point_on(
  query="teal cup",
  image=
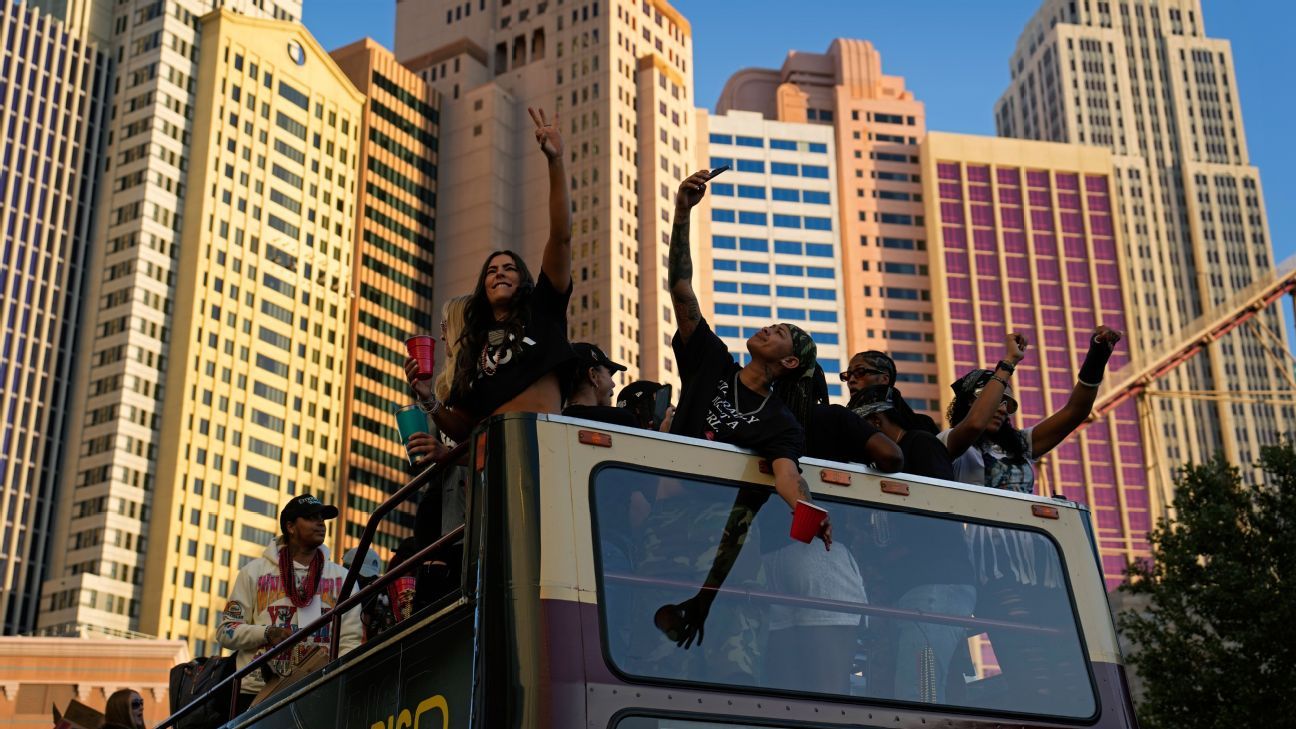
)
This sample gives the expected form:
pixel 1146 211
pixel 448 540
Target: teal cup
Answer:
pixel 410 420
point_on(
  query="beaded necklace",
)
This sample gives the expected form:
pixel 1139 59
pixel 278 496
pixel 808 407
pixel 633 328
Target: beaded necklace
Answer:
pixel 309 586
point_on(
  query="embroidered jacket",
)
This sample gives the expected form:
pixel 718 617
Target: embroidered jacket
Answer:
pixel 259 600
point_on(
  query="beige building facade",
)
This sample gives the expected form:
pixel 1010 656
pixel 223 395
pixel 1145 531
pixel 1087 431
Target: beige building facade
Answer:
pixel 39 673
pixel 619 76
pixel 878 125
pixel 52 118
pixel 96 572
pixel 1144 80
pixel 391 291
pixel 261 315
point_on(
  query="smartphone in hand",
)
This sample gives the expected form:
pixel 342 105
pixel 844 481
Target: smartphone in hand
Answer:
pixel 661 403
pixel 717 171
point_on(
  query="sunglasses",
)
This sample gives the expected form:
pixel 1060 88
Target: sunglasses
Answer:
pixel 1012 403
pixel 860 372
pixel 137 703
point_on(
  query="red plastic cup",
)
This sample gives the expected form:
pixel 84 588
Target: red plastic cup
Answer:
pixel 806 519
pixel 423 348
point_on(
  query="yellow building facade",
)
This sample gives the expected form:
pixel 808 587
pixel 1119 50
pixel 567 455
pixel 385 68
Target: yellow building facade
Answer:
pixel 391 297
pixel 261 327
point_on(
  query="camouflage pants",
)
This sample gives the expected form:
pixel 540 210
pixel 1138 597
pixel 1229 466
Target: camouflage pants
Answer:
pixel 682 540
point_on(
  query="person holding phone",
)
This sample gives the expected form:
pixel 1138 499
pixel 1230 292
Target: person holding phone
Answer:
pixel 650 402
pixel 591 388
pixel 514 351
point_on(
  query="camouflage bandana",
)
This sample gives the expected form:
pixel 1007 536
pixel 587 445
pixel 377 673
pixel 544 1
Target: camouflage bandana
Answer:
pixel 804 349
pixel 970 385
pixel 881 361
pixel 873 399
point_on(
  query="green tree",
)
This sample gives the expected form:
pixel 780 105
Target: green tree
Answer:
pixel 1216 644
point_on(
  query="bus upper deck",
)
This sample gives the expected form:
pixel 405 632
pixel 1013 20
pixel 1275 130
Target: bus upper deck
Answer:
pixel 621 578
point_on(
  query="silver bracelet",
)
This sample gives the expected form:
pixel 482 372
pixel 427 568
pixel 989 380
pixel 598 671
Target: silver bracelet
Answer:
pixel 431 406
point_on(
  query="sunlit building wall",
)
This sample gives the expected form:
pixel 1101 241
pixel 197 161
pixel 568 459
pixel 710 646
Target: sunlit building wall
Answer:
pixel 257 365
pixel 391 293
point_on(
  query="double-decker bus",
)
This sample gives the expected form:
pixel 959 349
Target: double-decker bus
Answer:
pixel 624 579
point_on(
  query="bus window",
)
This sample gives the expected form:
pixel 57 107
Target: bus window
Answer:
pixel 699 582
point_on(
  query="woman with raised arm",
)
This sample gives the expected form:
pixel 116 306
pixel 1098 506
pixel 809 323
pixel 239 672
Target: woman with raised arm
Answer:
pixel 514 346
pixel 995 453
pixel 1019 577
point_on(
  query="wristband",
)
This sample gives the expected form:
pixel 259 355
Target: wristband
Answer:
pixel 1095 363
pixel 431 407
pixel 265 636
pixel 1001 381
pixel 1006 365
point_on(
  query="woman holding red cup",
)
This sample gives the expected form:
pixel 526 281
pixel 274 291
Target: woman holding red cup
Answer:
pixel 514 345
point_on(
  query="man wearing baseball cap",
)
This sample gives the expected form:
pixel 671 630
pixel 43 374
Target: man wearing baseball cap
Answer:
pixel 291 584
pixel 591 388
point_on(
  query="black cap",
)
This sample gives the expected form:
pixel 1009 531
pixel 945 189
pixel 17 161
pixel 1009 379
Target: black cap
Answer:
pixel 591 356
pixel 637 391
pixel 305 505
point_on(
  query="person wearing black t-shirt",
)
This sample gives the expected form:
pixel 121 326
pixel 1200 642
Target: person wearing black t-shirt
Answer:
pixel 514 351
pixel 591 388
pixel 835 433
pixel 760 406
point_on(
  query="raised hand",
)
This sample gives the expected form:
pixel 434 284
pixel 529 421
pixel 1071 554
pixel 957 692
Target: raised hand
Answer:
pixel 1107 335
pixel 547 134
pixel 1015 347
pixel 692 190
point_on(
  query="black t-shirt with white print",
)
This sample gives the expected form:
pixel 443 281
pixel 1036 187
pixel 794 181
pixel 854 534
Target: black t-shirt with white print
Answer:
pixel 512 367
pixel 710 408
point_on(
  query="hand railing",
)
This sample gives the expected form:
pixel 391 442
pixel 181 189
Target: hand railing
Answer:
pixel 333 617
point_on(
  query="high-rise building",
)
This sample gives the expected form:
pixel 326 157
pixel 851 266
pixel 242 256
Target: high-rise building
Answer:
pixel 1143 79
pixel 877 126
pixel 96 569
pixel 773 244
pixel 1022 238
pixel 391 294
pixel 618 74
pixel 261 316
pixel 52 116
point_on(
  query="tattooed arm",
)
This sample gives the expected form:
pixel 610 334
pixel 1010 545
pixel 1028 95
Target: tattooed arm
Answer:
pixel 680 263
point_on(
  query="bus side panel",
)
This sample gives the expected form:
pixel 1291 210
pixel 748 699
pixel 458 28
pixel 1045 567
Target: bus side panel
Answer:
pixel 422 681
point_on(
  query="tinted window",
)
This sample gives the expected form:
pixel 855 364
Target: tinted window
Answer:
pixel 887 613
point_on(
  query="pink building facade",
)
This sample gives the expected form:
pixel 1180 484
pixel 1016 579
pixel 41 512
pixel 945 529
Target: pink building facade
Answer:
pixel 1024 241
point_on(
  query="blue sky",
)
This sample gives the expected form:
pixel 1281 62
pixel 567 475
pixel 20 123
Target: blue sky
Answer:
pixel 952 53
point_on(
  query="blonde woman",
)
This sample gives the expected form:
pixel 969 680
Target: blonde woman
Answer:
pixel 438 516
pixel 452 325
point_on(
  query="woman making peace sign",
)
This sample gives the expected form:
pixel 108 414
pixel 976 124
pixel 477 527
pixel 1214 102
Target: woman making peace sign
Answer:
pixel 514 342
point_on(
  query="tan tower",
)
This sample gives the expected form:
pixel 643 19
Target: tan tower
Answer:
pixel 1144 80
pixel 261 321
pixel 391 297
pixel 878 125
pixel 619 74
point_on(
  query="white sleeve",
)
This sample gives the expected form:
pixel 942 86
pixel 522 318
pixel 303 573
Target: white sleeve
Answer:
pixel 237 630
